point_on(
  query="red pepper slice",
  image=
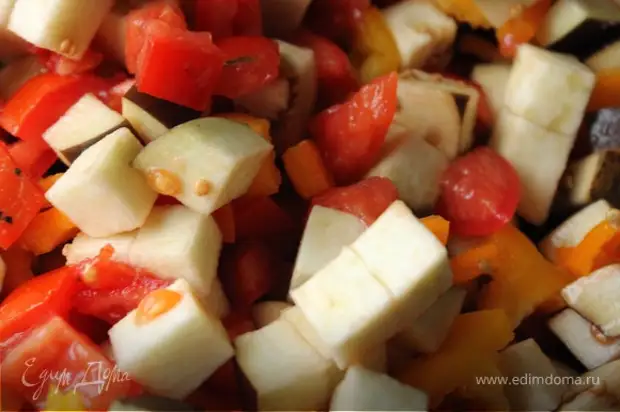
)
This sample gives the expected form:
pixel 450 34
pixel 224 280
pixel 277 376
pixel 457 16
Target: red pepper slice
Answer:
pixel 250 63
pixel 366 199
pixel 28 305
pixel 111 289
pixel 479 193
pixel 166 11
pixel 40 102
pixel 179 66
pixel 336 20
pixel 334 70
pixel 20 199
pixel 350 135
pixel 33 157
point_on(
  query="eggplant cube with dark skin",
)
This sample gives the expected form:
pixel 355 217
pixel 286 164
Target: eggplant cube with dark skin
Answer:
pixel 594 177
pixel 84 124
pixel 151 117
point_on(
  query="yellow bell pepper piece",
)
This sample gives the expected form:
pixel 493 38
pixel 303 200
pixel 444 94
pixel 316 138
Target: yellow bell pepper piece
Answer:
pixel 63 401
pixel 375 52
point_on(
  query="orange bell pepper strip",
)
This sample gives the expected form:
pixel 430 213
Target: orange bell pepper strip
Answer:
pixel 225 219
pixel 439 226
pixel 469 351
pixel 595 250
pixel 268 179
pixel 375 52
pixel 474 262
pixel 465 11
pixel 521 28
pixel 45 184
pixel 606 91
pixel 304 166
pixel 48 230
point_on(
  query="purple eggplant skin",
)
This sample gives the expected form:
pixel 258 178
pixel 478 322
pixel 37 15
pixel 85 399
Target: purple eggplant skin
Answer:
pixel 588 38
pixel 601 130
pixel 168 113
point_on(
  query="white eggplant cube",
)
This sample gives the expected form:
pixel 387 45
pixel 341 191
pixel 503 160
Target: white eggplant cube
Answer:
pixel 365 390
pixel 215 160
pixel 287 373
pixel 327 232
pixel 64 26
pixel 176 242
pixel 101 193
pixel 84 124
pixel 549 89
pixel 86 247
pixel 407 258
pixel 348 307
pixel 176 351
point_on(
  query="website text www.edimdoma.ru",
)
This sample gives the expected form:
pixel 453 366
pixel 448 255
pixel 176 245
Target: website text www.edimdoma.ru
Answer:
pixel 530 380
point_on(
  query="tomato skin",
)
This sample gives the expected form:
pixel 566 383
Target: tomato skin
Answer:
pixel 479 193
pixel 215 16
pixel 33 157
pixel 40 102
pixel 350 135
pixel 367 199
pixel 190 58
pixel 55 349
pixel 20 199
pixel 336 20
pixel 165 11
pixel 29 304
pixel 246 76
pixel 109 289
pixel 334 70
pixel 260 217
pixel 248 20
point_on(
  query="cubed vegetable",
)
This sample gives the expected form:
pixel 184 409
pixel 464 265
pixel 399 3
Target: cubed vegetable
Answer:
pixel 100 192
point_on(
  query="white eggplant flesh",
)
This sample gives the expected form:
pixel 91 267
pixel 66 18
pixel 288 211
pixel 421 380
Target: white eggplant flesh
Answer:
pixel 427 333
pixel 588 345
pixel 110 37
pixel 572 231
pixel 527 146
pixel 187 341
pixel 59 25
pixel 85 247
pixel 422 32
pixel 298 66
pixel 84 124
pixel 537 72
pixel 595 298
pixel 101 193
pixel 607 58
pixel 493 78
pixel 365 390
pixel 176 242
pixel 17 73
pixel 6 8
pixel 326 232
pixel 270 102
pixel 498 12
pixel 286 372
pixel 593 177
pixel 264 313
pixel 218 155
pixel 282 17
pixel 526 359
pixel 415 167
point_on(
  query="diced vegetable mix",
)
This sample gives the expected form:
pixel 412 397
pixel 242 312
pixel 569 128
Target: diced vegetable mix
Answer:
pixel 237 233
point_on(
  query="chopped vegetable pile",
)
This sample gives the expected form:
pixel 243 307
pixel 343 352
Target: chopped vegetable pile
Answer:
pixel 309 205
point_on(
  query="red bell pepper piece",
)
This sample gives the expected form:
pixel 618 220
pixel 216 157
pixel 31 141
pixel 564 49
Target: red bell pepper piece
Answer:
pixel 110 289
pixel 225 18
pixel 336 20
pixel 179 66
pixel 20 199
pixel 40 102
pixel 29 305
pixel 259 217
pixel 350 135
pixel 479 193
pixel 166 11
pixel 53 356
pixel 249 274
pixel 250 63
pixel 334 70
pixel 33 157
pixel 366 199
